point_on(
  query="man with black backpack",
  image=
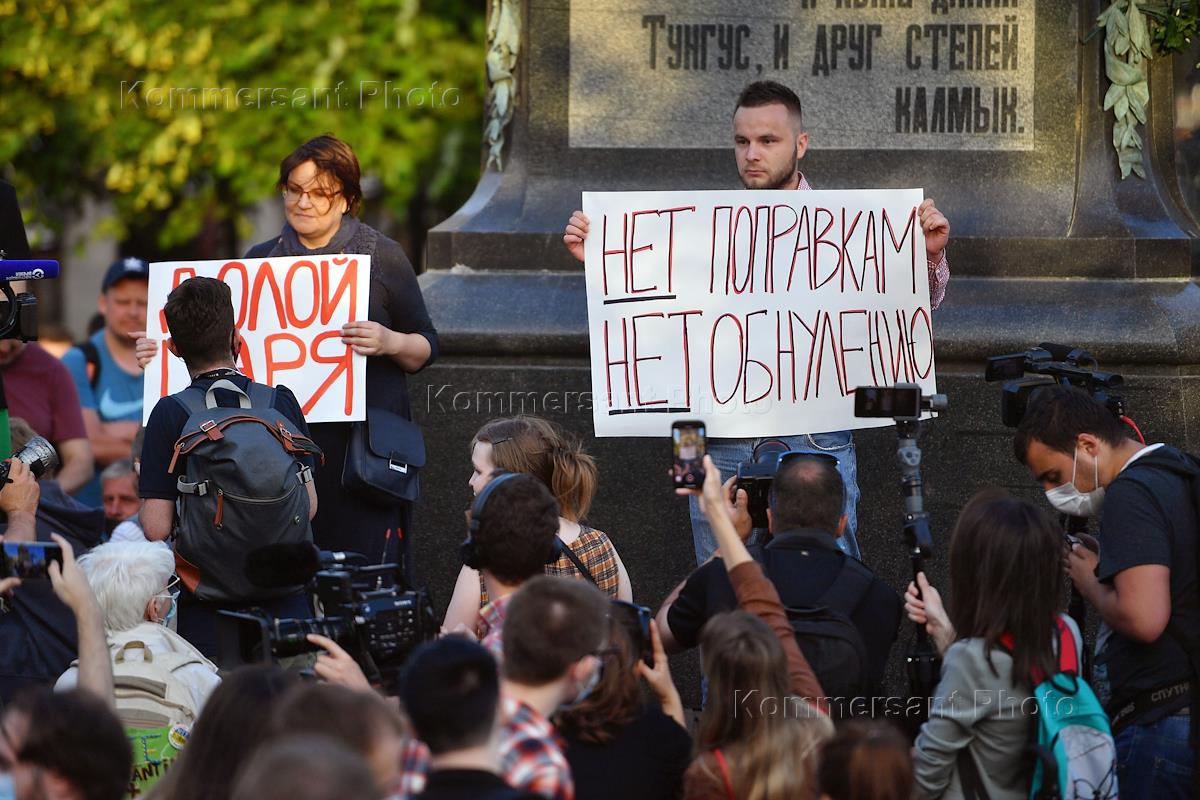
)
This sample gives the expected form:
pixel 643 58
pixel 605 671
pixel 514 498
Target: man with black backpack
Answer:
pixel 234 458
pixel 1143 580
pixel 846 619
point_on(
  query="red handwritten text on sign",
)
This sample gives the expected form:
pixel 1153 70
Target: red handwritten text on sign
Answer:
pixel 289 313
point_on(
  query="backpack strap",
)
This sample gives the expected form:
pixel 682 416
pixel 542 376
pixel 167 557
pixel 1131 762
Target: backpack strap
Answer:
pixel 91 358
pixel 726 779
pixel 968 776
pixel 192 400
pixel 848 589
pixel 261 395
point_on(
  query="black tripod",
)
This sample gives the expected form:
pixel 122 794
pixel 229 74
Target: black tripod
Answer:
pixel 923 663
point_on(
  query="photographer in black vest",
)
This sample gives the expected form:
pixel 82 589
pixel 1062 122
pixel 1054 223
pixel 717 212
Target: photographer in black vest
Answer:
pixel 802 559
pixel 1142 580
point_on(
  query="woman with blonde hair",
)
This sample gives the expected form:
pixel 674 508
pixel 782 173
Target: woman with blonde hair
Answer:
pixel 540 448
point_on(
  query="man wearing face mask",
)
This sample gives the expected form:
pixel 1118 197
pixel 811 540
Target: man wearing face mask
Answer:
pixel 1143 580
pixel 554 637
pixel 135 586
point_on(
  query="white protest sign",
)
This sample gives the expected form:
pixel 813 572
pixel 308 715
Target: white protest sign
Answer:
pixel 758 312
pixel 290 312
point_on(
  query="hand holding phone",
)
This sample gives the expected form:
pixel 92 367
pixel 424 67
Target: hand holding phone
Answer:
pixel 30 560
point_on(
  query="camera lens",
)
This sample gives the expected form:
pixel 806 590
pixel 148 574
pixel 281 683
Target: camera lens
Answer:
pixel 39 455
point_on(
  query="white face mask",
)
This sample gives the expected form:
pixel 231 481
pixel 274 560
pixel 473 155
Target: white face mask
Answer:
pixel 1069 500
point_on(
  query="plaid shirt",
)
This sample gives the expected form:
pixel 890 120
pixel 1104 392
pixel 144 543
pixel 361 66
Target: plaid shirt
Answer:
pixel 531 754
pixel 491 626
pixel 414 770
pixel 939 271
pixel 597 553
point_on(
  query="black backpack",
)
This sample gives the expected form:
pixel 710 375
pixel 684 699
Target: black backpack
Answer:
pixel 245 488
pixel 830 641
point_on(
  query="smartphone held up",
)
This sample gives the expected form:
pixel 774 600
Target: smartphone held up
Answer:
pixel 687 437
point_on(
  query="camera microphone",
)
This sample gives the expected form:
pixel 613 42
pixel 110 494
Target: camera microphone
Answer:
pixel 27 269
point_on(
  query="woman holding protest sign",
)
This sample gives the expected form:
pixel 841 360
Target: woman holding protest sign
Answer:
pixel 365 492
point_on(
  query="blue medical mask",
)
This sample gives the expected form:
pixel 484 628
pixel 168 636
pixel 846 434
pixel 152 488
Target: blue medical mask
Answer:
pixel 8 790
pixel 588 687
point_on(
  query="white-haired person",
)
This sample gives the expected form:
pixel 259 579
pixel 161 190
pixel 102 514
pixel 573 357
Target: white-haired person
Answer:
pixel 133 583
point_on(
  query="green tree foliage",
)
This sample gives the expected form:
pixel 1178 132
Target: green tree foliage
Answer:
pixel 179 112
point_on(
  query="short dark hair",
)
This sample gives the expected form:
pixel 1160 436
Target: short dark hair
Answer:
pixel 199 315
pixel 450 691
pixel 77 736
pixel 306 767
pixel 1056 415
pixel 807 492
pixel 334 159
pixel 550 624
pixel 767 93
pixel 518 528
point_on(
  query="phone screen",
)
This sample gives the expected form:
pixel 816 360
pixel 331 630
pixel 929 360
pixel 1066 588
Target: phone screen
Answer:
pixel 635 620
pixel 30 560
pixel 688 441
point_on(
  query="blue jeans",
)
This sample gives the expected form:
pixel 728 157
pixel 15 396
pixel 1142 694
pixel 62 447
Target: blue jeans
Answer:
pixel 1154 761
pixel 728 453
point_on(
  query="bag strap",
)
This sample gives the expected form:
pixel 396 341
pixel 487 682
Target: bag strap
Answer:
pixel 723 766
pixel 968 776
pixel 565 550
pixel 848 589
pixel 91 359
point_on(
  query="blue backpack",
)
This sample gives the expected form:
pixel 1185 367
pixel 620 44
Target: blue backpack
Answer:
pixel 1076 757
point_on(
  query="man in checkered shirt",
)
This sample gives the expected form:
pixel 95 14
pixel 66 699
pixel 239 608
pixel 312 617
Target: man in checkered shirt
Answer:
pixel 554 635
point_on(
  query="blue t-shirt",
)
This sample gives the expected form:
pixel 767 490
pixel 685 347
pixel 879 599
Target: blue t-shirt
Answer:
pixel 117 397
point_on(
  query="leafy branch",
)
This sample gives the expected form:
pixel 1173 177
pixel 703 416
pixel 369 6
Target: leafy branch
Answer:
pixel 1133 34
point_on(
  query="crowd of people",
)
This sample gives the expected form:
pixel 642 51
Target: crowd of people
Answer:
pixel 547 680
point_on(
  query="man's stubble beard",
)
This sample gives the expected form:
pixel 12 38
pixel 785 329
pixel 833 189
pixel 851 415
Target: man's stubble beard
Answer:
pixel 780 181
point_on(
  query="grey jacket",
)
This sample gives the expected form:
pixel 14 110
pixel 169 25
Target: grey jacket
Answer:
pixel 984 712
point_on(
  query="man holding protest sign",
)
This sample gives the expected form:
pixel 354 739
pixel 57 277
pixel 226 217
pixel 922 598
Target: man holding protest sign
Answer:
pixel 769 141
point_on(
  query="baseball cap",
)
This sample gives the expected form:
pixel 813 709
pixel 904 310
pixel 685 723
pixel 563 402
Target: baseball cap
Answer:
pixel 122 268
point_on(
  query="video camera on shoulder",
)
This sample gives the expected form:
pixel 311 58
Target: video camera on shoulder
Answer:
pixel 1046 365
pixel 367 609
